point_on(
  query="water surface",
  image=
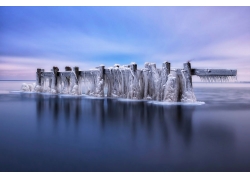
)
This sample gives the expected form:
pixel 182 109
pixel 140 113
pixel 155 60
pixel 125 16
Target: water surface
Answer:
pixel 55 133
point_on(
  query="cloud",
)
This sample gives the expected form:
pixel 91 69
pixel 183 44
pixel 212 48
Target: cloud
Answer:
pixel 34 37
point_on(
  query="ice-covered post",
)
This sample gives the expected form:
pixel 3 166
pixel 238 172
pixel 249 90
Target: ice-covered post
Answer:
pixel 67 79
pixel 154 84
pixel 55 79
pixel 100 81
pixel 78 81
pixel 133 67
pixel 39 76
pixel 101 69
pixel 67 68
pixel 187 87
pixel 164 77
pixel 188 74
pixel 39 80
pixel 146 80
pixel 77 73
pixel 166 67
pixel 172 88
pixel 133 82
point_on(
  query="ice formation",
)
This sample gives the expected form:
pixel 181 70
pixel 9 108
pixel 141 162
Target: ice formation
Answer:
pixel 27 87
pixel 127 81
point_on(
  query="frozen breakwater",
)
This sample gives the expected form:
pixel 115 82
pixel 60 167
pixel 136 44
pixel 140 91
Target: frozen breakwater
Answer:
pixel 127 81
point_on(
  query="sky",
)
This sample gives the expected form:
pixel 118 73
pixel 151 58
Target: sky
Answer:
pixel 42 37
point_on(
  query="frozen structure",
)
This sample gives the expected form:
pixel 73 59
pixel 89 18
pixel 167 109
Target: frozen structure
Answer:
pixel 127 81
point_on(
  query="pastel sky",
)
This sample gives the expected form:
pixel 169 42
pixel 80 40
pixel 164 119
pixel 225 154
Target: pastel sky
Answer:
pixel 42 37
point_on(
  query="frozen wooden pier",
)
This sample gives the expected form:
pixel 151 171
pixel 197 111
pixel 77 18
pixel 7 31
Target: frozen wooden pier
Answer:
pixel 127 81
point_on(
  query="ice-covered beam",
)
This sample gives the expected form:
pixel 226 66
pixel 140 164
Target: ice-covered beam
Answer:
pixel 86 73
pixel 47 74
pixel 66 73
pixel 215 75
pixel 214 72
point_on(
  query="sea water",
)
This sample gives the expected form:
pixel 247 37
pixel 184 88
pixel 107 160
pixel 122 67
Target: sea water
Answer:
pixel 42 132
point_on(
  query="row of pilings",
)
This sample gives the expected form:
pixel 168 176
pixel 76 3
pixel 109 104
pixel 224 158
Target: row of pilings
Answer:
pixel 127 81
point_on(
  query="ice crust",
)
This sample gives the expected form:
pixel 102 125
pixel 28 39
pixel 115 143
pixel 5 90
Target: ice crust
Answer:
pixel 27 87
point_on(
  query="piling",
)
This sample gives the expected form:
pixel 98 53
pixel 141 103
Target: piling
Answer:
pixel 188 74
pixel 39 76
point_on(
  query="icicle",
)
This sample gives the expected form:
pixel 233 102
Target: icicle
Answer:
pixel 152 82
pixel 27 87
pixel 187 89
pixel 124 81
pixel 94 82
pixel 221 79
pixel 171 91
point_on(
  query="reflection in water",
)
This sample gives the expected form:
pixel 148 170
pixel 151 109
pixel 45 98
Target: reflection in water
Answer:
pixel 153 120
pixel 153 133
pixel 79 134
pixel 55 107
pixel 53 133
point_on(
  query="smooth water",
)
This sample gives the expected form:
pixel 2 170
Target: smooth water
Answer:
pixel 57 133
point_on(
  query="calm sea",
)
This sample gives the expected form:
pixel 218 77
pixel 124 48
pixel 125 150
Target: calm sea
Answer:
pixel 53 133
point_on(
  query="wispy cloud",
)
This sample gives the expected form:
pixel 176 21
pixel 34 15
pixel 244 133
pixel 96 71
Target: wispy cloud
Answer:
pixel 34 37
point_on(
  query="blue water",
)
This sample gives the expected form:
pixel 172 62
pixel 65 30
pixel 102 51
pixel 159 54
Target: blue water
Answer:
pixel 53 133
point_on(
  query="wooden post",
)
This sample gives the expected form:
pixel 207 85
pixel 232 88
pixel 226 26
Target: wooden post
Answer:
pixel 67 68
pixel 164 77
pixel 42 78
pixel 166 67
pixel 54 79
pixel 38 76
pixel 188 74
pixel 67 79
pixel 133 66
pixel 76 70
pixel 55 70
pixel 78 80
